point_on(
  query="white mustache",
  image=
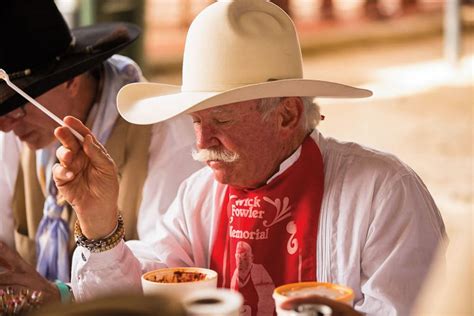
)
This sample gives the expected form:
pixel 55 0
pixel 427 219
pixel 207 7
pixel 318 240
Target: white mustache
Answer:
pixel 204 155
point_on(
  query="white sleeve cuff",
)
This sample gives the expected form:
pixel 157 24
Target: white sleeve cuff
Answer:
pixel 99 260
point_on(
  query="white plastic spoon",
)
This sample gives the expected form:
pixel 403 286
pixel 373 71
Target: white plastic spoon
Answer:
pixel 4 76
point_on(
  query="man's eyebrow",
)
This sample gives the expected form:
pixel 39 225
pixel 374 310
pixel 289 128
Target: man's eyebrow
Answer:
pixel 220 110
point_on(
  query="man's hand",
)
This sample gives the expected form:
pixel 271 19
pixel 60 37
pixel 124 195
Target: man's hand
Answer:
pixel 87 178
pixel 21 275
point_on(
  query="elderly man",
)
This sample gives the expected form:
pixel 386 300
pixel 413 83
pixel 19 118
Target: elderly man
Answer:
pixel 309 207
pixel 73 72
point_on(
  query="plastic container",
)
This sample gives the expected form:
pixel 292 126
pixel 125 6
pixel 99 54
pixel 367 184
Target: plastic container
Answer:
pixel 169 286
pixel 213 302
pixel 336 292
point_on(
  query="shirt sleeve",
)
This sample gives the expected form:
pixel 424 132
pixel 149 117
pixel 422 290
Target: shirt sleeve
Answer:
pixel 96 274
pixel 120 268
pixel 170 163
pixel 404 234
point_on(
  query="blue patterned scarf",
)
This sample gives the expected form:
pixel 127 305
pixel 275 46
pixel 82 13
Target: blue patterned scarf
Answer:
pixel 52 238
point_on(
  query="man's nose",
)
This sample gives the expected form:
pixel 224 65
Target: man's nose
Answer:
pixel 205 137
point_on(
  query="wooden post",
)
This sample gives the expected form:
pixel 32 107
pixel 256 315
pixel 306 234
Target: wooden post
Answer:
pixel 452 31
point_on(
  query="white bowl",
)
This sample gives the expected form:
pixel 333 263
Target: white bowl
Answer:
pixel 332 291
pixel 163 281
pixel 222 302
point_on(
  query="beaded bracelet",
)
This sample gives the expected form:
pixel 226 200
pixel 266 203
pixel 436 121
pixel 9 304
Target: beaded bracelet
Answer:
pixel 100 245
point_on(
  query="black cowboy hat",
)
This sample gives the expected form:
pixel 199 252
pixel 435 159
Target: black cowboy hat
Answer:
pixel 39 51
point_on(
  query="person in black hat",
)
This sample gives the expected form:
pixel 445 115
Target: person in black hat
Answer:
pixel 72 72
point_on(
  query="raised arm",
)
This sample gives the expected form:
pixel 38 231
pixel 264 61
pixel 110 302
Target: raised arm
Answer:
pixel 87 178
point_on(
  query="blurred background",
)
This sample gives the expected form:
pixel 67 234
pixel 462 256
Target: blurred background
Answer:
pixel 417 56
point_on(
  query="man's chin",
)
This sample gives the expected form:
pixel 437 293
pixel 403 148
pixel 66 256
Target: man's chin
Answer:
pixel 220 175
pixel 35 143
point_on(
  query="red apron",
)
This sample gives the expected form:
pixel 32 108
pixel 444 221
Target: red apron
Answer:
pixel 267 236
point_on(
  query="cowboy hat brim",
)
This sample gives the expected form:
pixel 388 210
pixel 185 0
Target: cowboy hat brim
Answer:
pixel 71 64
pixel 148 103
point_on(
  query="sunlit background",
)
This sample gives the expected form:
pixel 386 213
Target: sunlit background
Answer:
pixel 418 58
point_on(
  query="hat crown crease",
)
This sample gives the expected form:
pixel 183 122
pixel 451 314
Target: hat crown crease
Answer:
pixel 232 44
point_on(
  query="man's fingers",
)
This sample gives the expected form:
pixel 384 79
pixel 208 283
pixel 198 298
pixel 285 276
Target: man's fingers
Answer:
pixel 10 259
pixel 65 135
pixel 96 152
pixel 67 138
pixel 5 265
pixel 62 175
pixel 65 156
pixel 76 124
pixel 92 147
pixel 13 279
pixel 16 268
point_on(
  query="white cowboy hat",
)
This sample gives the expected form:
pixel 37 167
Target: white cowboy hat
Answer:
pixel 235 51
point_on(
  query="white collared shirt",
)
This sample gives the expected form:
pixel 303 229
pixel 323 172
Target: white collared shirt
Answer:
pixel 378 232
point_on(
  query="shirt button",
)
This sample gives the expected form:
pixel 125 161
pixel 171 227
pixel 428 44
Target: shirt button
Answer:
pixel 83 257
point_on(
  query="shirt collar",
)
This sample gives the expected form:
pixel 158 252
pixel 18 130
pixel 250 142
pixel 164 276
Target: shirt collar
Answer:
pixel 293 157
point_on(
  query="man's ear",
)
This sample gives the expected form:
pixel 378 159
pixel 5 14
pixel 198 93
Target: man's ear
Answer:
pixel 72 86
pixel 290 113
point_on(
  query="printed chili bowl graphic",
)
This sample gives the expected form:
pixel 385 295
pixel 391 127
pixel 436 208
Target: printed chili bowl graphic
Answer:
pixel 332 291
pixel 178 282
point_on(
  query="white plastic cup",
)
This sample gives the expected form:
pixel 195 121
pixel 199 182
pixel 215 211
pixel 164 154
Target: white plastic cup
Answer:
pixel 178 290
pixel 213 302
pixel 336 292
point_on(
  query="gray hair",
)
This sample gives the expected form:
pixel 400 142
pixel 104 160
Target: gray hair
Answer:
pixel 311 114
